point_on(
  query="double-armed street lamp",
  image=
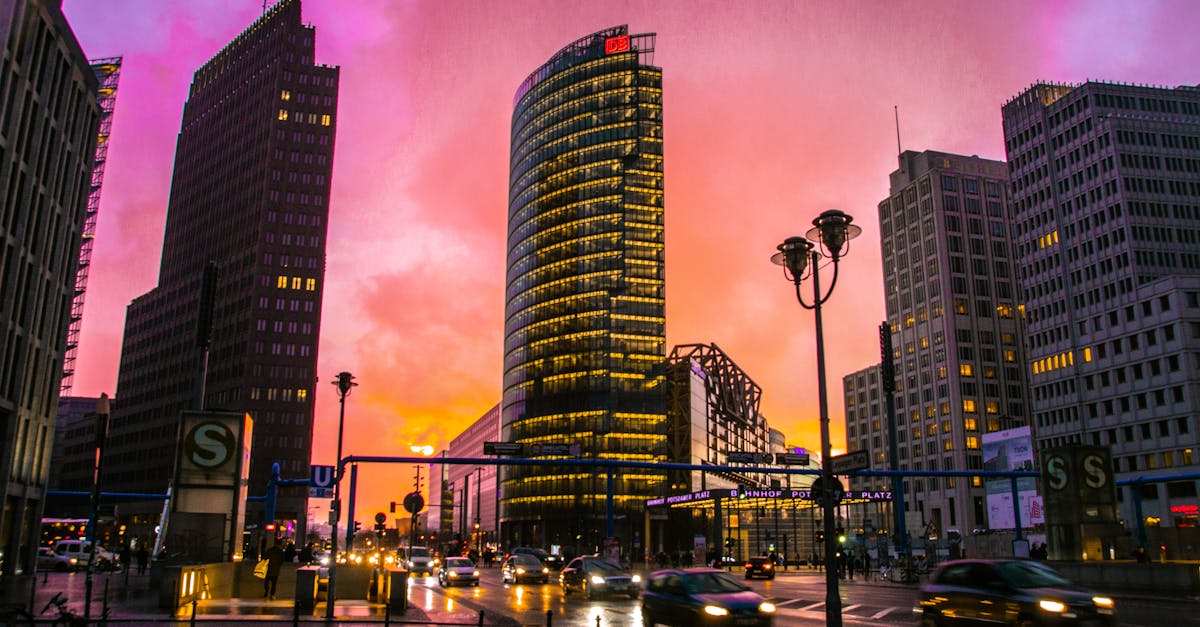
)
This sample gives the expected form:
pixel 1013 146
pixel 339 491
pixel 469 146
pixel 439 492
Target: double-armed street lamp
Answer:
pixel 344 382
pixel 801 259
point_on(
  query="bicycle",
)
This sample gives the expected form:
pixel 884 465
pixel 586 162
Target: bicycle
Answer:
pixel 66 616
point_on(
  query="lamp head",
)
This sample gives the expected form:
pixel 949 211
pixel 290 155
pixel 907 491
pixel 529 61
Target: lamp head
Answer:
pixel 833 229
pixel 344 382
pixel 793 256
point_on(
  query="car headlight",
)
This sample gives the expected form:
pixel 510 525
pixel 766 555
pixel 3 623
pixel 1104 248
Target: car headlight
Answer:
pixel 766 607
pixel 715 610
pixel 73 561
pixel 545 571
pixel 1102 601
pixel 452 574
pixel 767 566
pixel 637 579
pixel 520 571
pixel 475 573
pixel 324 561
pixel 1050 605
pixel 598 580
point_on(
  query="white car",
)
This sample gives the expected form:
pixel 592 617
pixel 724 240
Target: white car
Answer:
pixel 81 552
pixel 458 571
pixel 47 559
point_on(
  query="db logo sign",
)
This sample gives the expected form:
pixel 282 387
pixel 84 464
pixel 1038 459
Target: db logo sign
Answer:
pixel 209 445
pixel 613 45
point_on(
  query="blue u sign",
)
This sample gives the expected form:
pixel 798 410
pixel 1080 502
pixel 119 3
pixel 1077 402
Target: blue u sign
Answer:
pixel 320 477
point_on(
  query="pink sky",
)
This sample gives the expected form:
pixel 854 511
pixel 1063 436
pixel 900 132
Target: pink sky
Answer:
pixel 774 112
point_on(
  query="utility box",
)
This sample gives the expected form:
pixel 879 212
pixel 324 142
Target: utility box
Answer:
pixel 306 588
pixel 397 589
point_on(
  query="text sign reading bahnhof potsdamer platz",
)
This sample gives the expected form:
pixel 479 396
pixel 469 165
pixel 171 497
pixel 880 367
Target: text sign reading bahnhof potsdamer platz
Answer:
pixel 782 494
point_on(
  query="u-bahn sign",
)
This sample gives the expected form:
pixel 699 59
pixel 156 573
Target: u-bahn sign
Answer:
pixel 1081 500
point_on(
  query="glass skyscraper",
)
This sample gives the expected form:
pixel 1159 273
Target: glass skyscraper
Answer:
pixel 584 337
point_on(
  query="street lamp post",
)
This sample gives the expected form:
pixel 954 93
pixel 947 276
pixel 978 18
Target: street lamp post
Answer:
pixel 344 383
pixel 800 258
pixel 478 511
pixel 102 413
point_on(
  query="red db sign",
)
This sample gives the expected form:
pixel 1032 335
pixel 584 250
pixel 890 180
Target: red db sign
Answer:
pixel 613 45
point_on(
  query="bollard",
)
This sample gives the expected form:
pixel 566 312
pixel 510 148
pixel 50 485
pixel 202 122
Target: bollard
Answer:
pixel 104 608
pixel 296 613
pixel 480 618
pixel 597 621
pixel 194 603
pixel 387 614
pixel 549 618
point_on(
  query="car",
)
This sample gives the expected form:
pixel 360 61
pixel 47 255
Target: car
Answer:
pixel 1008 592
pixel 521 567
pixel 595 576
pixel 416 559
pixel 552 561
pixel 47 559
pixel 457 571
pixel 81 552
pixel 760 567
pixel 702 596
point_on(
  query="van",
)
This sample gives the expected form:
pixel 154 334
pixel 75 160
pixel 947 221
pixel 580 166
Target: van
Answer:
pixel 416 559
pixel 81 552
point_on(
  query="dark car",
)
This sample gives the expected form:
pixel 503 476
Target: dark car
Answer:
pixel 457 571
pixel 760 567
pixel 1008 592
pixel 551 560
pixel 702 596
pixel 520 567
pixel 595 576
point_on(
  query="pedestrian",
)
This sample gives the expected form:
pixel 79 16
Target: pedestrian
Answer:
pixel 274 557
pixel 126 557
pixel 850 562
pixel 306 554
pixel 289 552
pixel 143 558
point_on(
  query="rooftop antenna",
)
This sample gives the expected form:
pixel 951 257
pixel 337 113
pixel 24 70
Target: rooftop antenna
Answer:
pixel 897 110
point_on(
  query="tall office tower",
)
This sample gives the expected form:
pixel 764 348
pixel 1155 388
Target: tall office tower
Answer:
pixel 584 333
pixel 1106 190
pixel 953 307
pixel 866 423
pixel 249 196
pixel 48 121
pixel 108 74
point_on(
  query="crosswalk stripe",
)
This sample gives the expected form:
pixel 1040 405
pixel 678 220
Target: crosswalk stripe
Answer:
pixel 814 605
pixel 878 615
pixel 788 602
pixel 852 607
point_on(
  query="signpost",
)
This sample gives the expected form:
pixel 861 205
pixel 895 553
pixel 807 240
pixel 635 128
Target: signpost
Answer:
pixel 320 482
pixel 744 457
pixel 792 459
pixel 854 460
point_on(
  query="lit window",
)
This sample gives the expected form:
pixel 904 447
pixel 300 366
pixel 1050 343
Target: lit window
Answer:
pixel 969 406
pixel 1004 311
pixel 993 407
pixel 296 282
pixel 960 306
pixel 970 425
pixel 302 395
pixel 1010 355
pixel 281 282
pixel 310 285
pixel 977 482
pixel 325 120
pixel 286 95
pixel 945 408
pixel 283 114
pixel 941 372
pixel 1087 354
pixel 947 445
pixel 966 370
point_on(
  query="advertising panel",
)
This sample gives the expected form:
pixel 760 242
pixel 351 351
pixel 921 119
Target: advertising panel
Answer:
pixel 1011 449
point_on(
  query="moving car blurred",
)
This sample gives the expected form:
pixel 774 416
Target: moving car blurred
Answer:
pixel 702 596
pixel 81 552
pixel 47 559
pixel 550 560
pixel 457 571
pixel 595 576
pixel 416 559
pixel 521 567
pixel 1008 592
pixel 760 567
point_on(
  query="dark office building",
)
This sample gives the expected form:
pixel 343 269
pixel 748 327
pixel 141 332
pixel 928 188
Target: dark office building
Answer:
pixel 584 337
pixel 48 121
pixel 249 195
pixel 1106 192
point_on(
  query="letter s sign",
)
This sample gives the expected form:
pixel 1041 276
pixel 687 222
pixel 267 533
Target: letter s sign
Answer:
pixel 209 445
pixel 1094 475
pixel 1056 473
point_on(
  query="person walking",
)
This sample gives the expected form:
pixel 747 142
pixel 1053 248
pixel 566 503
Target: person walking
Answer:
pixel 274 557
pixel 143 558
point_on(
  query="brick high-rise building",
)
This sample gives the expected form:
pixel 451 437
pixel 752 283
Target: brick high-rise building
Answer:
pixel 1106 195
pixel 49 115
pixel 954 311
pixel 249 194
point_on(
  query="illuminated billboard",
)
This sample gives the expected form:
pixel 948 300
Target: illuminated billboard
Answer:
pixel 1011 449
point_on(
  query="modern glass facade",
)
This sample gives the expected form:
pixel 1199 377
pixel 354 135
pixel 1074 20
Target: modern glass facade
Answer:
pixel 584 345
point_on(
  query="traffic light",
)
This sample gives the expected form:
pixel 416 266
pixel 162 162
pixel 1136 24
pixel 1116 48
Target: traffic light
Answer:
pixel 841 535
pixel 393 507
pixel 270 526
pixel 728 542
pixel 357 526
pixel 819 536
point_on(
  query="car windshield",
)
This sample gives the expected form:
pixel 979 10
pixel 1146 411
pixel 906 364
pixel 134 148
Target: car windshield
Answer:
pixel 708 583
pixel 1031 575
pixel 419 552
pixel 601 565
pixel 458 562
pixel 523 559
